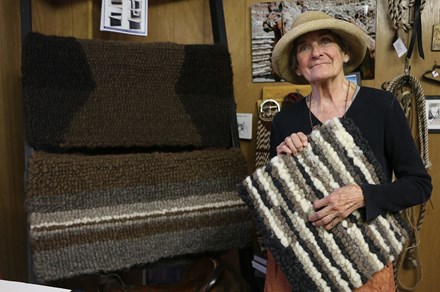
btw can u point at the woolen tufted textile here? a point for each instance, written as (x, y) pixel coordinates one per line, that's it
(101, 213)
(100, 196)
(95, 93)
(281, 195)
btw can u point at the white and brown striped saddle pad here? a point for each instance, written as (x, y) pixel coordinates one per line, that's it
(281, 194)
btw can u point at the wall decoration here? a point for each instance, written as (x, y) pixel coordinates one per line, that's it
(271, 20)
(354, 77)
(433, 113)
(433, 74)
(244, 123)
(435, 46)
(125, 16)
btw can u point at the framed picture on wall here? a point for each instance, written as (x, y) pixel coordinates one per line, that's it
(130, 17)
(433, 113)
(271, 20)
(354, 77)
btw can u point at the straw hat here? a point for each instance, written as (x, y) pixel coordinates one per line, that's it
(352, 36)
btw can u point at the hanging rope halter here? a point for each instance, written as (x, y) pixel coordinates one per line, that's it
(407, 89)
(398, 8)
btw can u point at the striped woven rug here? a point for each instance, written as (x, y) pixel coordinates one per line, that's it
(101, 213)
(281, 194)
(120, 204)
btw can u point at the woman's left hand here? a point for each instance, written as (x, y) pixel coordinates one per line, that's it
(335, 207)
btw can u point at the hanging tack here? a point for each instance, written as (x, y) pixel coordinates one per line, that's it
(407, 67)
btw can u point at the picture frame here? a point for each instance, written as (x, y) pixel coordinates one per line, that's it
(128, 17)
(432, 108)
(271, 20)
(354, 77)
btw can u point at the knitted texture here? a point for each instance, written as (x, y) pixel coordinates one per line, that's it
(100, 213)
(281, 194)
(95, 93)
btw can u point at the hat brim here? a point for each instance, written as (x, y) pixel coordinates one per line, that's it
(352, 36)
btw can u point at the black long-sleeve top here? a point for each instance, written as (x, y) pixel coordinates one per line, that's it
(381, 120)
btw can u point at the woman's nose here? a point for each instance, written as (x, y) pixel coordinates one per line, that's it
(316, 50)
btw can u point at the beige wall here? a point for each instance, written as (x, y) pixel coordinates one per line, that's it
(182, 22)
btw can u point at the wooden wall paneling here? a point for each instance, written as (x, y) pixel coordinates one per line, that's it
(188, 22)
(185, 22)
(208, 37)
(429, 250)
(13, 254)
(65, 18)
(238, 15)
(388, 65)
(162, 21)
(429, 236)
(430, 16)
(235, 23)
(96, 19)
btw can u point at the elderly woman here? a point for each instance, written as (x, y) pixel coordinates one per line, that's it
(320, 50)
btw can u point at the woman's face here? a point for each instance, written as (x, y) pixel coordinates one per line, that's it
(319, 56)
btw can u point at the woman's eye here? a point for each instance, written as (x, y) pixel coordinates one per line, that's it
(303, 48)
(326, 41)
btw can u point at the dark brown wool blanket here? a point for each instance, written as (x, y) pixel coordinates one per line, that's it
(281, 194)
(90, 214)
(94, 93)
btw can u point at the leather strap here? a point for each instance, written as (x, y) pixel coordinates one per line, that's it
(417, 32)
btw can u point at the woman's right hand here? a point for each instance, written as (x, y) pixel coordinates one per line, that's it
(293, 144)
